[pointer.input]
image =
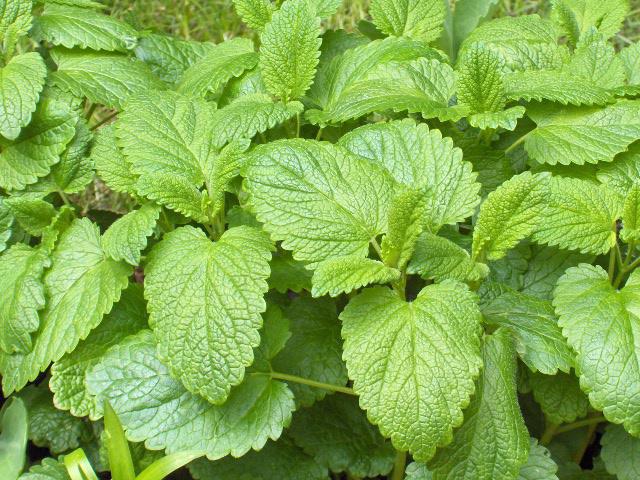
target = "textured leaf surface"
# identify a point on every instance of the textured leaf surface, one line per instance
(407, 358)
(111, 165)
(579, 16)
(15, 21)
(103, 77)
(405, 225)
(337, 434)
(320, 200)
(480, 80)
(579, 215)
(540, 465)
(631, 215)
(559, 396)
(67, 382)
(421, 159)
(539, 340)
(81, 286)
(621, 174)
(130, 375)
(223, 62)
(418, 19)
(205, 300)
(49, 469)
(314, 349)
(21, 296)
(345, 274)
(75, 170)
(601, 325)
(288, 274)
(21, 81)
(290, 50)
(127, 237)
(509, 214)
(71, 26)
(33, 214)
(579, 135)
(38, 146)
(255, 13)
(493, 441)
(621, 453)
(282, 460)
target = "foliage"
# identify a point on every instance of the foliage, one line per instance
(337, 253)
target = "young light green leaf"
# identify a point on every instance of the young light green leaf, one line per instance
(621, 174)
(578, 215)
(480, 80)
(290, 50)
(508, 215)
(49, 469)
(407, 358)
(538, 338)
(21, 296)
(33, 214)
(15, 21)
(255, 13)
(130, 374)
(21, 81)
(631, 215)
(14, 428)
(559, 396)
(621, 453)
(106, 78)
(579, 135)
(630, 57)
(38, 146)
(127, 237)
(319, 199)
(282, 460)
(576, 17)
(67, 382)
(223, 62)
(405, 225)
(327, 431)
(417, 19)
(75, 169)
(81, 288)
(601, 325)
(346, 274)
(6, 224)
(493, 441)
(421, 159)
(111, 165)
(314, 350)
(438, 258)
(540, 465)
(192, 336)
(72, 26)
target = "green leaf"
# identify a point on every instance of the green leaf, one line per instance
(508, 215)
(33, 214)
(15, 21)
(327, 432)
(507, 119)
(540, 465)
(6, 223)
(408, 358)
(319, 199)
(288, 274)
(621, 453)
(439, 259)
(532, 321)
(314, 350)
(480, 80)
(75, 169)
(405, 225)
(103, 77)
(417, 471)
(223, 62)
(546, 266)
(467, 15)
(631, 215)
(493, 441)
(579, 135)
(49, 469)
(601, 325)
(67, 383)
(71, 26)
(290, 50)
(578, 215)
(255, 13)
(417, 19)
(38, 146)
(14, 427)
(421, 159)
(282, 460)
(576, 17)
(169, 57)
(127, 236)
(621, 174)
(21, 81)
(21, 296)
(346, 274)
(111, 165)
(559, 396)
(49, 427)
(630, 57)
(81, 286)
(193, 336)
(130, 376)
(120, 462)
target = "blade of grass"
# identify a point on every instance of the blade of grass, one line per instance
(78, 466)
(117, 447)
(167, 465)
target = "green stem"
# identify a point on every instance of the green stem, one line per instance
(579, 424)
(376, 247)
(312, 383)
(104, 120)
(319, 134)
(401, 286)
(298, 125)
(588, 438)
(630, 249)
(612, 265)
(549, 432)
(92, 109)
(64, 198)
(513, 146)
(399, 466)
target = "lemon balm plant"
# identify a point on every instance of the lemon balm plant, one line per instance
(408, 251)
